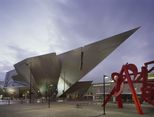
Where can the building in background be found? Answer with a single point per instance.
(98, 90)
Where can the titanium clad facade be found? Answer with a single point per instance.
(77, 90)
(44, 70)
(64, 70)
(8, 78)
(78, 62)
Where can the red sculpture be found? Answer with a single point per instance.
(129, 73)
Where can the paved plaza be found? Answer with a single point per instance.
(70, 109)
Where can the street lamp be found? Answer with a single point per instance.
(49, 91)
(104, 77)
(30, 87)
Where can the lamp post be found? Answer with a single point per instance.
(30, 90)
(64, 88)
(104, 77)
(49, 91)
(30, 80)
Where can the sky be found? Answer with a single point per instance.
(35, 27)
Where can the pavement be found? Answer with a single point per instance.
(73, 109)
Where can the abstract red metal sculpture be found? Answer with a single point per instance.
(129, 73)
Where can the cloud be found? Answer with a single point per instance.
(30, 28)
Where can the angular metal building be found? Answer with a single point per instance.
(64, 70)
(12, 79)
(77, 90)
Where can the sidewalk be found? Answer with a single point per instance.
(71, 110)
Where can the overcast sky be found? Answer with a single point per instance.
(34, 27)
